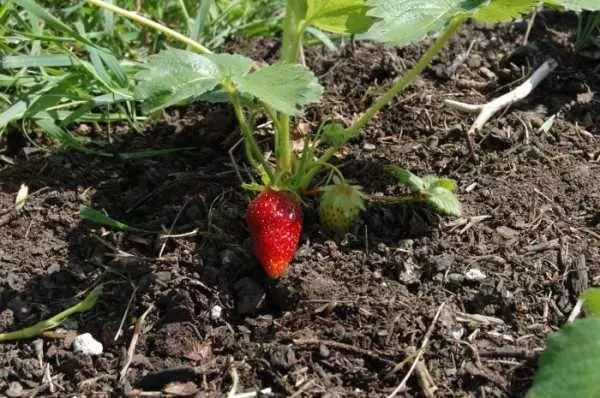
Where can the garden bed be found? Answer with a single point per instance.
(485, 290)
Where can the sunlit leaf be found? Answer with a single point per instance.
(414, 182)
(569, 365)
(173, 76)
(576, 5)
(284, 87)
(339, 16)
(444, 201)
(504, 10)
(401, 22)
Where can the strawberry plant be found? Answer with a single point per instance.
(570, 364)
(281, 90)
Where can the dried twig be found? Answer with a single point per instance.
(252, 394)
(134, 339)
(486, 111)
(235, 382)
(424, 343)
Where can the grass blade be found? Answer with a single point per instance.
(150, 153)
(35, 61)
(32, 331)
(98, 217)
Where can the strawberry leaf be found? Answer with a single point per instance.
(284, 87)
(504, 10)
(576, 5)
(446, 183)
(401, 22)
(335, 135)
(444, 201)
(414, 182)
(569, 365)
(231, 65)
(339, 16)
(173, 76)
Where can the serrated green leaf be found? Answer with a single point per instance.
(402, 22)
(335, 135)
(414, 182)
(231, 65)
(339, 16)
(504, 10)
(569, 365)
(444, 201)
(173, 76)
(576, 5)
(284, 87)
(591, 301)
(446, 183)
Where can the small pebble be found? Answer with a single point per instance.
(324, 351)
(474, 275)
(15, 389)
(215, 312)
(163, 276)
(369, 147)
(86, 344)
(455, 278)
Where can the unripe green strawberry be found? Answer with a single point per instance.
(275, 222)
(340, 207)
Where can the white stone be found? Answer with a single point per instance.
(475, 275)
(86, 344)
(215, 312)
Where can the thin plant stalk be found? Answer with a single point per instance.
(293, 28)
(385, 98)
(408, 77)
(152, 24)
(253, 153)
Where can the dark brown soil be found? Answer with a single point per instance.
(348, 310)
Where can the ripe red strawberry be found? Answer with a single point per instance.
(274, 220)
(340, 207)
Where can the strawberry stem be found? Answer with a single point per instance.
(395, 199)
(293, 29)
(407, 78)
(252, 149)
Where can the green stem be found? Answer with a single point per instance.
(150, 23)
(405, 80)
(382, 101)
(317, 166)
(251, 146)
(293, 29)
(395, 199)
